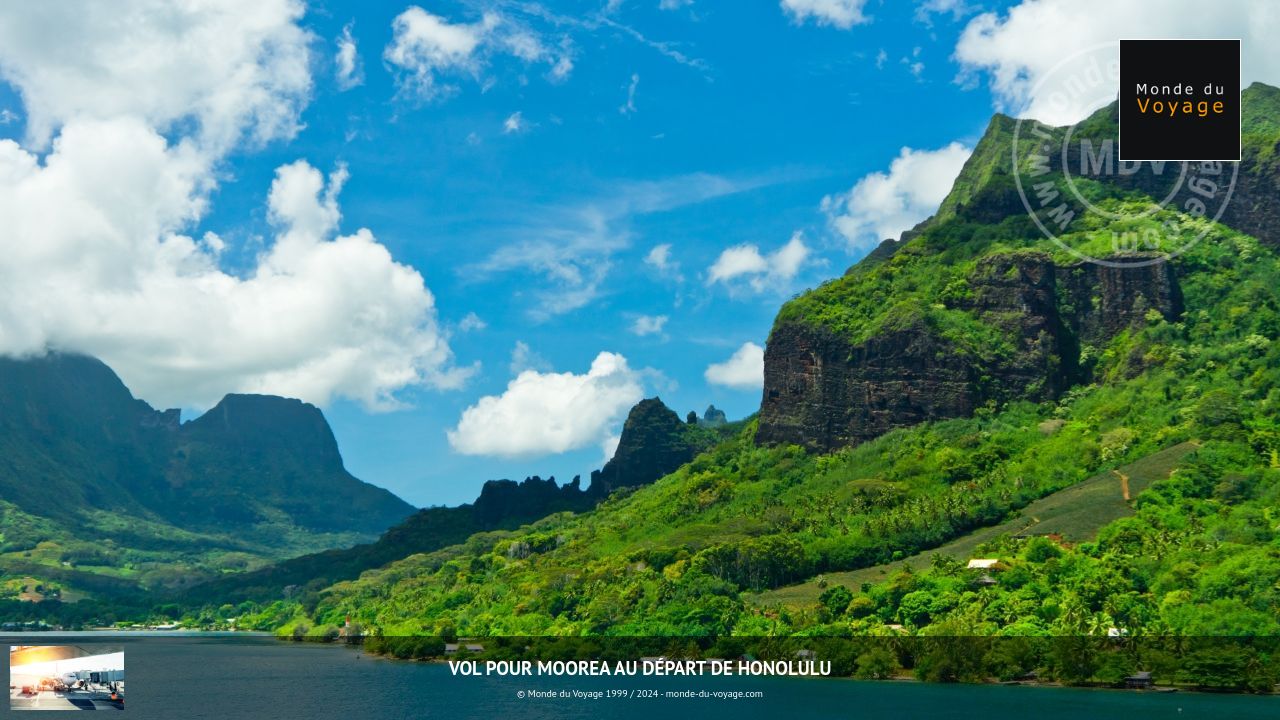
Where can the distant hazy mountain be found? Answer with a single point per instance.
(91, 477)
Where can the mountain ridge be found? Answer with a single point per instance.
(91, 476)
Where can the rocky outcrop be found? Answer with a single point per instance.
(713, 417)
(654, 442)
(1102, 300)
(504, 501)
(824, 392)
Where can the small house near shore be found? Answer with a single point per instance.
(1139, 681)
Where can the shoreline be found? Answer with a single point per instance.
(900, 678)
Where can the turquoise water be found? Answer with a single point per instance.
(256, 677)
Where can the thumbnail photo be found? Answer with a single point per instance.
(66, 677)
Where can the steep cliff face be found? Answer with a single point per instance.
(824, 392)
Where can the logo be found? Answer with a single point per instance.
(1095, 205)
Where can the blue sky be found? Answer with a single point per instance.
(788, 113)
(529, 178)
(477, 231)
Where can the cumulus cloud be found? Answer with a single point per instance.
(843, 14)
(348, 70)
(426, 46)
(882, 205)
(428, 51)
(233, 68)
(96, 255)
(320, 315)
(745, 262)
(648, 325)
(514, 123)
(546, 412)
(1017, 50)
(744, 370)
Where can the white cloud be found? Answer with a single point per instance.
(513, 124)
(234, 68)
(429, 52)
(914, 64)
(673, 4)
(8, 116)
(471, 322)
(95, 257)
(348, 70)
(843, 14)
(881, 58)
(648, 325)
(562, 68)
(1018, 50)
(882, 205)
(744, 370)
(542, 413)
(761, 271)
(426, 46)
(955, 8)
(629, 106)
(659, 256)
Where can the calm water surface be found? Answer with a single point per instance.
(258, 677)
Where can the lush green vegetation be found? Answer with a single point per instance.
(676, 557)
(1199, 555)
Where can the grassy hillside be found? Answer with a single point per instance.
(1071, 515)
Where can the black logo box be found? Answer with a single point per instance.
(1191, 64)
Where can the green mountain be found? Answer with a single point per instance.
(101, 493)
(654, 442)
(942, 386)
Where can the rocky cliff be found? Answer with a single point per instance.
(654, 442)
(969, 307)
(823, 391)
